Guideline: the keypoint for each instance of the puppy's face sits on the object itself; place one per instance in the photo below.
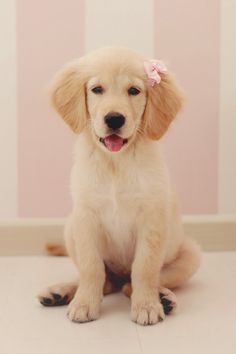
(108, 92)
(116, 103)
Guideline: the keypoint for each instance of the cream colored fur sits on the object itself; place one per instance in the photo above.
(125, 212)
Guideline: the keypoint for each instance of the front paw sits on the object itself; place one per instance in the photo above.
(83, 310)
(147, 312)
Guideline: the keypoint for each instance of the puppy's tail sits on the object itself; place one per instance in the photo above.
(56, 249)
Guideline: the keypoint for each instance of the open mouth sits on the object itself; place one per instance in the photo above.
(113, 142)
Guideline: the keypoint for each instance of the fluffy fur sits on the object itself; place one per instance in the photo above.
(125, 229)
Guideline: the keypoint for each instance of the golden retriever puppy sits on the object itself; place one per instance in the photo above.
(125, 229)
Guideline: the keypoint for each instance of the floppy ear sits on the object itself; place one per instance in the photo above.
(68, 95)
(164, 101)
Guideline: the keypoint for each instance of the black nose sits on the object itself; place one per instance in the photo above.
(114, 120)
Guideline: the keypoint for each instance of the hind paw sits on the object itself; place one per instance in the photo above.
(168, 300)
(57, 295)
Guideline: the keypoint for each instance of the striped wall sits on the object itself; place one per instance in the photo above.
(195, 38)
(227, 136)
(8, 111)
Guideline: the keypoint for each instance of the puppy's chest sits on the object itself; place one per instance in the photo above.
(119, 210)
(119, 206)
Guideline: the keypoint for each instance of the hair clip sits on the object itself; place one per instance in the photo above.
(153, 68)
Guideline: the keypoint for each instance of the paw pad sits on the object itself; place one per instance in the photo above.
(167, 303)
(54, 300)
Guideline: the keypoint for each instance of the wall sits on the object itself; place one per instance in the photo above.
(195, 38)
(8, 114)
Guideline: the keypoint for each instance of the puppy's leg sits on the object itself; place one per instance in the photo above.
(85, 305)
(183, 267)
(175, 274)
(146, 307)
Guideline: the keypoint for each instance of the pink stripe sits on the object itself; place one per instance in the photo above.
(187, 35)
(50, 33)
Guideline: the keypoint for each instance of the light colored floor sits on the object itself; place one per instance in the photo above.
(205, 322)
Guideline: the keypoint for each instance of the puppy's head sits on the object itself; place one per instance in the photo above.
(108, 92)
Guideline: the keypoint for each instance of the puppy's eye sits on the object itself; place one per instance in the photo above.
(97, 90)
(133, 91)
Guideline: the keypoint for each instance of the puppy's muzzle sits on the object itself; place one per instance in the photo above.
(114, 120)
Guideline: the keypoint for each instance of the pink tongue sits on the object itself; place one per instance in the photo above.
(113, 142)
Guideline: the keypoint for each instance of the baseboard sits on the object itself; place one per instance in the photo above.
(29, 236)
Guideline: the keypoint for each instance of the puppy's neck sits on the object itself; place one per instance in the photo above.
(141, 151)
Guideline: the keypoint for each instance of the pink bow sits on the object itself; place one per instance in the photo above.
(152, 68)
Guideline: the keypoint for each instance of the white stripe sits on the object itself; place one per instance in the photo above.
(128, 23)
(227, 143)
(8, 121)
